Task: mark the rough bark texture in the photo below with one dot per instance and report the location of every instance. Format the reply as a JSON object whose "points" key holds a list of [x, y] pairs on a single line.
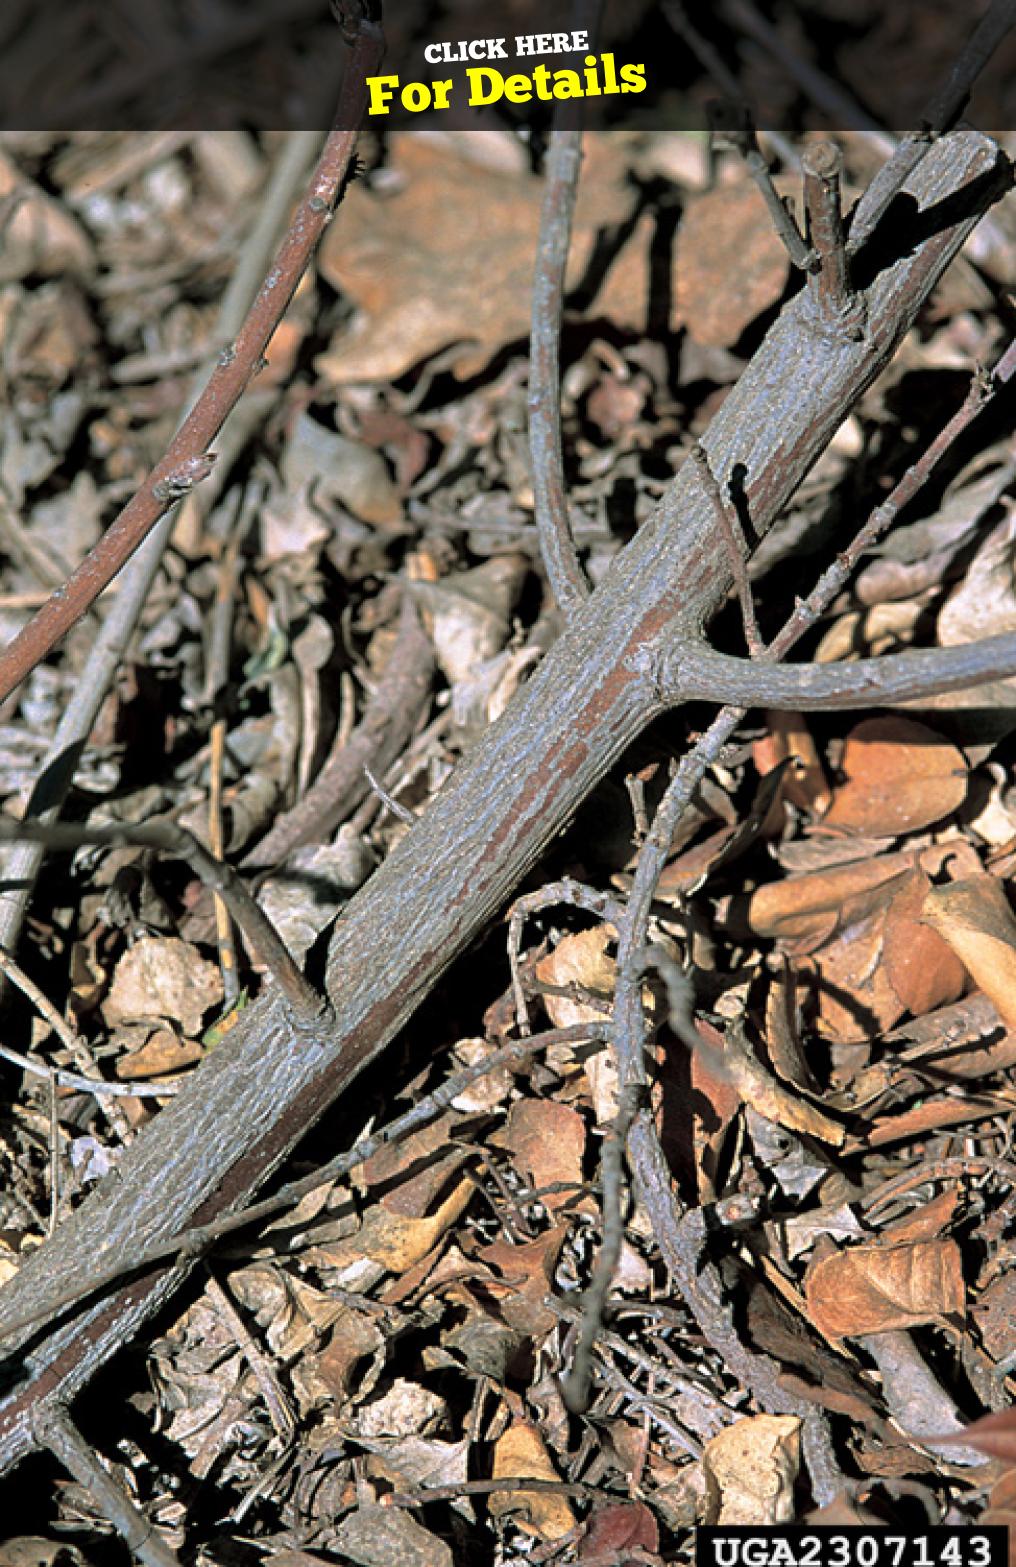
{"points": [[596, 690]]}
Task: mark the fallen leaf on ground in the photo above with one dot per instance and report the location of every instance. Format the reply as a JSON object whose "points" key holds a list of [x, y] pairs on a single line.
{"points": [[163, 977], [548, 1141], [901, 776], [731, 220], [424, 282], [877, 1289], [973, 916], [520, 1454], [754, 1464]]}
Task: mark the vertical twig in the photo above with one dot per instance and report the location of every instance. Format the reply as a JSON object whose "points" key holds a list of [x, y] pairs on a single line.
{"points": [[567, 579], [837, 303], [733, 542]]}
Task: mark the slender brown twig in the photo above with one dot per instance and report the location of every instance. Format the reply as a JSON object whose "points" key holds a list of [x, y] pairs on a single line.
{"points": [[557, 547], [187, 458]]}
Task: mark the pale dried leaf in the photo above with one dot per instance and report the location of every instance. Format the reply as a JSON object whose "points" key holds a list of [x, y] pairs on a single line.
{"points": [[520, 1454], [166, 978], [754, 1463]]}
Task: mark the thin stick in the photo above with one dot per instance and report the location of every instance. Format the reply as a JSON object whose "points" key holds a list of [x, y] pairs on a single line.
{"points": [[187, 459], [196, 1239], [168, 838], [734, 543], [54, 1429], [567, 579], [134, 585], [837, 303]]}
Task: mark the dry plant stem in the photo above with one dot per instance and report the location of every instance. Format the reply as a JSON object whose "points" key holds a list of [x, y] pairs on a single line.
{"points": [[168, 838], [269, 1081], [557, 547], [382, 732], [187, 459], [734, 542], [21, 863], [567, 891], [823, 167], [54, 1429]]}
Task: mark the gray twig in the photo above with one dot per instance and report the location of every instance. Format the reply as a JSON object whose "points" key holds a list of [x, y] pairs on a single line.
{"points": [[567, 579], [54, 1429]]}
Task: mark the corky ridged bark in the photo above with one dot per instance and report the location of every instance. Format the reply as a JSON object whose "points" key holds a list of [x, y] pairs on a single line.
{"points": [[268, 1081]]}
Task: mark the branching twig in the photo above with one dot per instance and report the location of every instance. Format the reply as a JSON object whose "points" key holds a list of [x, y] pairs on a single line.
{"points": [[254, 1096]]}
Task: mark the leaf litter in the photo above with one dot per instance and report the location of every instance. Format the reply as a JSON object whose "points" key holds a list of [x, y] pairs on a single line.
{"points": [[839, 887]]}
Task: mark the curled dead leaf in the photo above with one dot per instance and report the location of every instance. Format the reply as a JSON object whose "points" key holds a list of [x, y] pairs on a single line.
{"points": [[877, 1289], [973, 916]]}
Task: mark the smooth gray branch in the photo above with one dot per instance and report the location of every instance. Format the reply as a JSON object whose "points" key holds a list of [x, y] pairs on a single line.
{"points": [[692, 672]]}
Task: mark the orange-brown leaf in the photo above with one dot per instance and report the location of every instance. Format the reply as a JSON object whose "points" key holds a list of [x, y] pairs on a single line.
{"points": [[878, 1289], [900, 776], [974, 917]]}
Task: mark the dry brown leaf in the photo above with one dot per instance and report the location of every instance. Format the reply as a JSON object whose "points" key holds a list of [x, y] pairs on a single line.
{"points": [[754, 1463], [995, 1313], [484, 1094], [920, 1119], [392, 1241], [524, 1279], [469, 615], [355, 1338], [163, 977], [520, 1454], [731, 220], [901, 776], [375, 1534], [973, 916], [812, 905], [447, 259], [715, 1103], [163, 1052], [617, 1527], [854, 995], [582, 960], [878, 1289], [41, 235], [920, 966], [788, 738], [765, 1094], [548, 1141], [926, 1223]]}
